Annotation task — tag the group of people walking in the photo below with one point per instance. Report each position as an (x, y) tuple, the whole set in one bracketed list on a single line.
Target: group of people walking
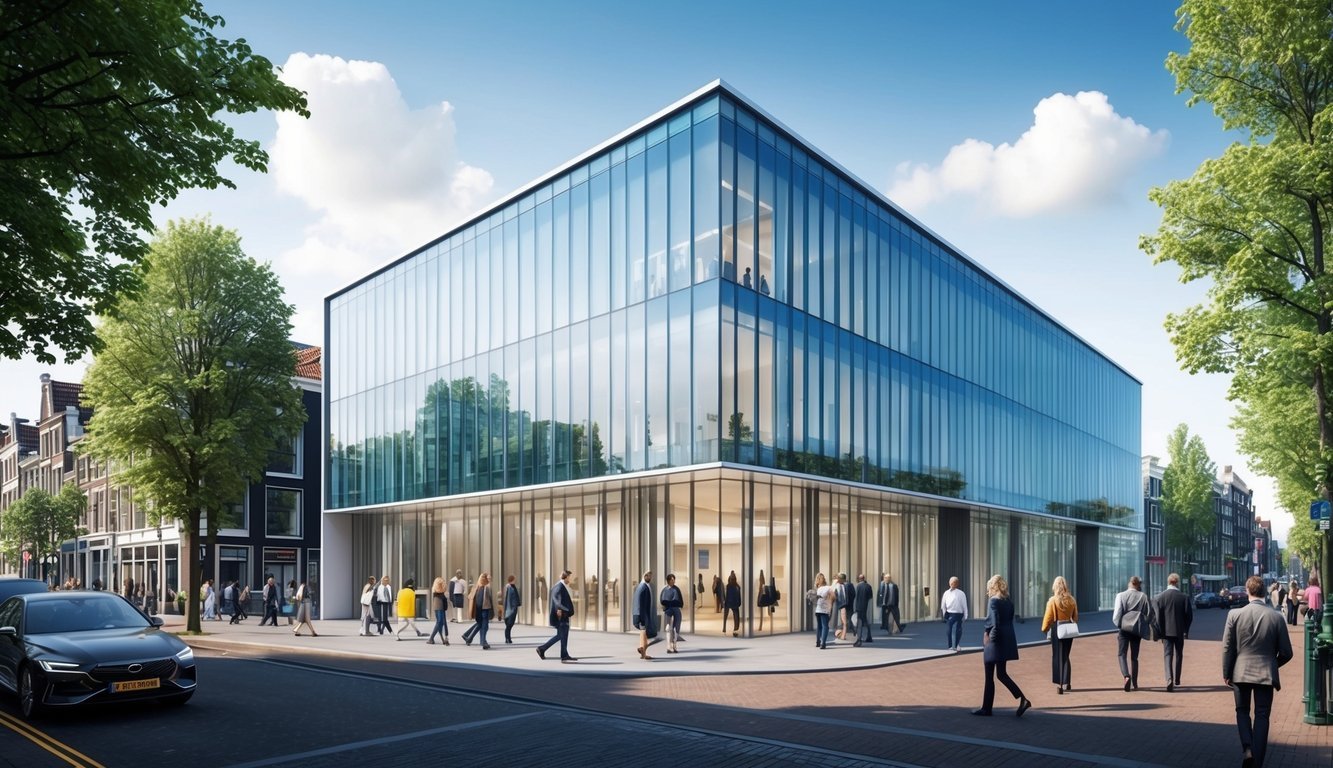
[(480, 601)]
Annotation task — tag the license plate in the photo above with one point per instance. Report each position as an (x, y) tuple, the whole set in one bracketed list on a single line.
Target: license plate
[(135, 685)]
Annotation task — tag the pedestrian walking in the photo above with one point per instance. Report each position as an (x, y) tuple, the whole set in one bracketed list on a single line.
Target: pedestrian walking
[(270, 596), (562, 607), (644, 615), (764, 599), (953, 604), (825, 599), (1293, 600), (731, 606), (1173, 612), (861, 606), (291, 602), (1132, 617), (439, 604), (1314, 599), (383, 604), (672, 603), (302, 600), (1061, 610), (999, 647), (886, 597), (846, 596), (210, 602), (1254, 645), (458, 594), (481, 606), (367, 605), (510, 603), (717, 594), (407, 610)]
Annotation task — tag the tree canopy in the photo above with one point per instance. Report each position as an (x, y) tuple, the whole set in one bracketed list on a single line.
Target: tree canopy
[(1253, 223), (38, 522), (107, 107), (193, 386), (1187, 492)]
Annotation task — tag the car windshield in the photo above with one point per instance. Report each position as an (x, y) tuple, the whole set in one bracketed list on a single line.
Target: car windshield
[(81, 614)]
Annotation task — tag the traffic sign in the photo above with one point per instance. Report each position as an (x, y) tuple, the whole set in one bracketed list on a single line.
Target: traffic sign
[(1323, 525), (1319, 510)]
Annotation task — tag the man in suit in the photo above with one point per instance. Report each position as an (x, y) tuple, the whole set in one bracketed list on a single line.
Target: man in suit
[(861, 604), (1173, 612), (383, 604), (562, 607), (846, 601), (1254, 644), (270, 603), (645, 615), (887, 600)]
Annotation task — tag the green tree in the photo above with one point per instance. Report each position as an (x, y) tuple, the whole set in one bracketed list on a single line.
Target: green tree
[(109, 108), (1187, 493), (1254, 222), (39, 522), (193, 386)]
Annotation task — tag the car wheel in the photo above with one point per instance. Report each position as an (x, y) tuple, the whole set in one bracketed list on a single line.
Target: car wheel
[(28, 704), (178, 701)]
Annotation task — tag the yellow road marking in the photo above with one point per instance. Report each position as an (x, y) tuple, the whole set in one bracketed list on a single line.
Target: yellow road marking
[(48, 743)]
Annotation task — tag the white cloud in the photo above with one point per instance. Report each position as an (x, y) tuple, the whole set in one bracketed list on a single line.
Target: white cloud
[(383, 177), (1078, 152)]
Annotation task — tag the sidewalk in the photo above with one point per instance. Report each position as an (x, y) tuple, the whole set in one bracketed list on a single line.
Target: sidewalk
[(613, 654), (903, 698)]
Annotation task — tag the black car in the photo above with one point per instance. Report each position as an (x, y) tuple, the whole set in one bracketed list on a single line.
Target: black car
[(1209, 600), (61, 649), (11, 587)]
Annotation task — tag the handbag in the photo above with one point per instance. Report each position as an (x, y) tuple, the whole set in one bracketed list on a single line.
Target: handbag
[(366, 597), (1066, 630)]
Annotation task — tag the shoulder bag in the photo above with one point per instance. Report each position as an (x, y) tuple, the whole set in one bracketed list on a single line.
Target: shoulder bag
[(1065, 629)]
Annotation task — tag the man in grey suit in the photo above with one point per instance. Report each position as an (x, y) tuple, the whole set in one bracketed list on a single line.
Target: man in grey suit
[(1254, 644), (562, 607), (863, 595), (1174, 613)]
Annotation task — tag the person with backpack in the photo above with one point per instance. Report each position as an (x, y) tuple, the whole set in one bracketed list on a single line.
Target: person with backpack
[(1133, 616)]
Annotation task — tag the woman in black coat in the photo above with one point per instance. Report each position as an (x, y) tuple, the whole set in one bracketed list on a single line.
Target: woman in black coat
[(732, 605), (1000, 647)]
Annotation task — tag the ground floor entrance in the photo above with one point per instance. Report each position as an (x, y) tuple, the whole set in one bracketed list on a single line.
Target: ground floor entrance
[(708, 526)]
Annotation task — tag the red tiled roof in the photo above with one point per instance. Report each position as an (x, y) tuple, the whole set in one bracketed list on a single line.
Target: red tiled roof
[(308, 362)]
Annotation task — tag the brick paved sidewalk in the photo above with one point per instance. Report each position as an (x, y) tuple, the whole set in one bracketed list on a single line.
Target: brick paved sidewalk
[(916, 712)]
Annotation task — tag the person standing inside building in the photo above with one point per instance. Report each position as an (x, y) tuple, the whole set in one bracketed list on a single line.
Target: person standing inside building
[(439, 603), (1254, 645), (562, 607), (864, 594), (717, 593), (481, 606), (367, 605), (1061, 608), (383, 604), (301, 601), (644, 615), (763, 598), (825, 600), (953, 604), (270, 603), (1000, 646), (1174, 614), (1132, 614), (732, 606), (510, 602), (672, 603), (458, 594), (407, 610)]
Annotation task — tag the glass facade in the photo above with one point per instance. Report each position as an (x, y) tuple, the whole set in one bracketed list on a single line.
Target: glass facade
[(707, 290)]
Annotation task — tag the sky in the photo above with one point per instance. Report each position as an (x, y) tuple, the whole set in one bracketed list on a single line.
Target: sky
[(1027, 134)]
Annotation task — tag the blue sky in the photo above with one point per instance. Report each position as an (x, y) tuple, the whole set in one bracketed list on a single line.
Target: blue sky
[(1052, 203)]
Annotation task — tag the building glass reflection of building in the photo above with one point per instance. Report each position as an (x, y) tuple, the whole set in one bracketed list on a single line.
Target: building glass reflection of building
[(703, 347)]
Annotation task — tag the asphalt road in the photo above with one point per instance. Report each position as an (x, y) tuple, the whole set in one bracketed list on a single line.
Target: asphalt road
[(261, 712)]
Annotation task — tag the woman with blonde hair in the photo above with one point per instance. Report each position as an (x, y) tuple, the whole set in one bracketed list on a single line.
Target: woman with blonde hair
[(824, 599), (999, 647), (439, 603), (1060, 609)]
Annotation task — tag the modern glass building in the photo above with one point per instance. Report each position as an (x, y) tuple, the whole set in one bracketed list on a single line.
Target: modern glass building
[(703, 347)]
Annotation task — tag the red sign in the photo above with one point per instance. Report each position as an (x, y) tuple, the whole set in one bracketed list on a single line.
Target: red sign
[(27, 556)]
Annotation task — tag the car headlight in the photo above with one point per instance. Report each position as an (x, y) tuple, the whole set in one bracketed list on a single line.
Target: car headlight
[(186, 655), (58, 666)]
